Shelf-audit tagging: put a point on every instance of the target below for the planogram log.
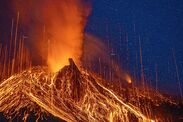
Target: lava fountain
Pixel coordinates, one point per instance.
(62, 22)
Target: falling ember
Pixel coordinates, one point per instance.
(14, 56)
(128, 78)
(64, 22)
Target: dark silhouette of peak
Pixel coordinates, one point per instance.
(70, 79)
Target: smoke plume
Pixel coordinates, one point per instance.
(96, 57)
(55, 29)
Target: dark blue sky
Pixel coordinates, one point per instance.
(158, 22)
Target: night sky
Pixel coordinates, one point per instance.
(159, 23)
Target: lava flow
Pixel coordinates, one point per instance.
(31, 83)
(70, 94)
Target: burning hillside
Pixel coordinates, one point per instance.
(72, 95)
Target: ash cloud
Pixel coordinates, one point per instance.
(55, 29)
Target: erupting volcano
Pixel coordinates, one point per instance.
(48, 72)
(75, 96)
(69, 94)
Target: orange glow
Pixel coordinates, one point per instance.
(92, 105)
(128, 79)
(63, 21)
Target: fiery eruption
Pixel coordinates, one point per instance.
(62, 22)
(56, 30)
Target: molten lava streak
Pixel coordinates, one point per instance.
(70, 94)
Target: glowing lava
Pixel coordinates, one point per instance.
(69, 94)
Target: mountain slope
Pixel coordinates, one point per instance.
(70, 94)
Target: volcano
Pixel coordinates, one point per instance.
(76, 95)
